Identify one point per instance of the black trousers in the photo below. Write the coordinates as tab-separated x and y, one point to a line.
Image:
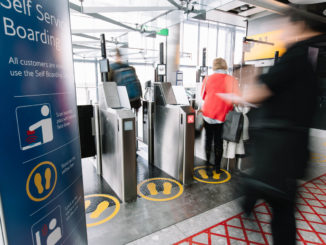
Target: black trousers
279	157
283	212
214	132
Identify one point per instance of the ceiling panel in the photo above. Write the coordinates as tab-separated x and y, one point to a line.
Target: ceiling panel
252	11
127	3
133	18
80	21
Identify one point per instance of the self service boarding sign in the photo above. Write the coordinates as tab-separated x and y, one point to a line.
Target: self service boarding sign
41	186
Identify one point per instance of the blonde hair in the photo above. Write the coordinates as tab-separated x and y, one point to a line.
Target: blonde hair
219	63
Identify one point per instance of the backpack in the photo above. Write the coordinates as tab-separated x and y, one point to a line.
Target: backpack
126	76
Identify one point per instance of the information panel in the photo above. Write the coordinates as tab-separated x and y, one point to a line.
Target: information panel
41	182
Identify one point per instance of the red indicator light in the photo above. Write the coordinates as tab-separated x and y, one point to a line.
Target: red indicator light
191	119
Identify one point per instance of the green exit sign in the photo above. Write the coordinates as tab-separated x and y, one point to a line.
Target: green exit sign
163	32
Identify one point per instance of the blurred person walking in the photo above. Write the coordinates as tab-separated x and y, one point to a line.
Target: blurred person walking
125	75
287	94
215	109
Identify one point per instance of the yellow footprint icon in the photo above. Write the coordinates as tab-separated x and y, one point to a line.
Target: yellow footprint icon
47	175
87	204
38	183
216	175
167	188
203	173
100	209
152	189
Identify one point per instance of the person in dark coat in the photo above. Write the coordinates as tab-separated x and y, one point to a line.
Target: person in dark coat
118	64
287	96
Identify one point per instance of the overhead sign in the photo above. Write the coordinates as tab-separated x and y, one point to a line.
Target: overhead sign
163	32
260	50
41	188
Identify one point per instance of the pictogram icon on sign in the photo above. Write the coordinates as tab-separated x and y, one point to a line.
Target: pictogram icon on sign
34	124
48	230
41	181
201	174
100	208
160	189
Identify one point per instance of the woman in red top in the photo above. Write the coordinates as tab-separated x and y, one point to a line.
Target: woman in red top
215	108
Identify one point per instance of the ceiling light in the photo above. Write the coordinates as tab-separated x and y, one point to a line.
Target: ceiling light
244	7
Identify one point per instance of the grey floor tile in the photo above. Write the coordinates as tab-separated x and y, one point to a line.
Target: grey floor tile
319	227
166	236
236	233
209	218
303	225
309	236
234	222
237	242
219	230
255	237
202	238
217	240
323	237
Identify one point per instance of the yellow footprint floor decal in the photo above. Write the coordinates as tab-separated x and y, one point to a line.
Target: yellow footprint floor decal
152	189
100	209
167	188
87	204
216	175
203	173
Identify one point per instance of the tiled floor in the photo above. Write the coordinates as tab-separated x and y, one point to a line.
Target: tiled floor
310	216
144	217
224	224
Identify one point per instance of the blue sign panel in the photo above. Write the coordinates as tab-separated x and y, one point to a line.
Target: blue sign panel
41	186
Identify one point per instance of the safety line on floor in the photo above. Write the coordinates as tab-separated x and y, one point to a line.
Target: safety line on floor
310	218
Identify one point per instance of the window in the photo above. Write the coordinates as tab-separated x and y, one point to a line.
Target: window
212	44
239	35
208	40
221	43
203	42
189	76
189	44
144	73
85	79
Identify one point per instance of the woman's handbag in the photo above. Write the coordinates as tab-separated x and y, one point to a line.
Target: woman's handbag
233	126
199	121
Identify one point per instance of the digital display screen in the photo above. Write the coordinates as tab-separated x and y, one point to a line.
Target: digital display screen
161	70
104	65
203	71
179	76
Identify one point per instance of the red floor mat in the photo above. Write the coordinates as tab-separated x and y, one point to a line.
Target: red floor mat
310	216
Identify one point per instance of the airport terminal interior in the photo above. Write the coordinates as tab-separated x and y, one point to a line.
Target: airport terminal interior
144	171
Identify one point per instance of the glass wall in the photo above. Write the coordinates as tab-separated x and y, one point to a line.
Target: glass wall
85	79
238	52
220	40
145	72
189	44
